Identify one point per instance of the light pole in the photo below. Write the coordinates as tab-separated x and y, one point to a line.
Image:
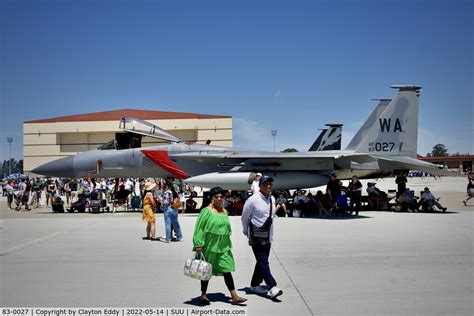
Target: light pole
10	141
274	133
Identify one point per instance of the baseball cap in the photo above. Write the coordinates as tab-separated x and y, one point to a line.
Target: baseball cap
333	174
258	174
264	179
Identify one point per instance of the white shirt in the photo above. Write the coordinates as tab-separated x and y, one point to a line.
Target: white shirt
8	188
256	210
427	196
128	185
300	198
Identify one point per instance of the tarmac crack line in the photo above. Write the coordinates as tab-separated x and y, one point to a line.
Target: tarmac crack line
292	282
39	240
30	243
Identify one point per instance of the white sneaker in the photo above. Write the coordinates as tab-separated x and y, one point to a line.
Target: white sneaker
274	292
259	289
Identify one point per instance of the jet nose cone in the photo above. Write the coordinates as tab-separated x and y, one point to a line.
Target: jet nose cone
63	167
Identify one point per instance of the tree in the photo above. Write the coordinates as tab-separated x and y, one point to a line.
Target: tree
290	150
439	150
17	167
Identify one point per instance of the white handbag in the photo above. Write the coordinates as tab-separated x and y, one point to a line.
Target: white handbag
198	268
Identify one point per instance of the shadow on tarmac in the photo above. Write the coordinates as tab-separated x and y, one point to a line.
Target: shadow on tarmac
338	218
213	297
248	291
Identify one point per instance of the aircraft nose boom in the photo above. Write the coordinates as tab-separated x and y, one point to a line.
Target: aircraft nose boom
63	167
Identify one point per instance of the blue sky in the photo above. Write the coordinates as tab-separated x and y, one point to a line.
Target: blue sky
287	65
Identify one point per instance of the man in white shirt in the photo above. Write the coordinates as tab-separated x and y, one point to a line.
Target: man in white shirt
427	200
259	211
255	184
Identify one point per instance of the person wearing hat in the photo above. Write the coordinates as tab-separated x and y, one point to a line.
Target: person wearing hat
377	198
301	203
148	215
212	238
259	211
255	184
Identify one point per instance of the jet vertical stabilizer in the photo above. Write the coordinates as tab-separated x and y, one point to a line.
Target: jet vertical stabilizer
392	128
329	139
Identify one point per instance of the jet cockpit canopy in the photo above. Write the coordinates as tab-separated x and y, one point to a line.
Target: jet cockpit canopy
134	125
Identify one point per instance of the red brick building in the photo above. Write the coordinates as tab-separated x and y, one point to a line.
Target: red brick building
454	163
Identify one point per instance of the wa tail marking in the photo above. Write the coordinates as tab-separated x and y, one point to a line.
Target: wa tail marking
385	125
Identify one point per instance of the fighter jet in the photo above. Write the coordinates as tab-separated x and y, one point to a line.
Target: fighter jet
385	144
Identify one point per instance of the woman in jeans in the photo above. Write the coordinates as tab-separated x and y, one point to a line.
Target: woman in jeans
170	213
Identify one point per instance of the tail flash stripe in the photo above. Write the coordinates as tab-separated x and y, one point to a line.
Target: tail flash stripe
161	158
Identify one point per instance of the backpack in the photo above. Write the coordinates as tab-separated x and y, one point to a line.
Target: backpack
176	203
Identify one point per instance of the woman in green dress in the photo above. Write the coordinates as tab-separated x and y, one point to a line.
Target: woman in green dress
212	238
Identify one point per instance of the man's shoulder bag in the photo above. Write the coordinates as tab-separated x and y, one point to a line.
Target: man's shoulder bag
259	236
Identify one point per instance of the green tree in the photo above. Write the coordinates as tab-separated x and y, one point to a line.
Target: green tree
17	167
290	150
439	150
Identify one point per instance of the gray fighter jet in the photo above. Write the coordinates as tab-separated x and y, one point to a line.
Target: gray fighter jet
384	145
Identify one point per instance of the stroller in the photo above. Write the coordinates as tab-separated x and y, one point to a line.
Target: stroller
18	197
97	203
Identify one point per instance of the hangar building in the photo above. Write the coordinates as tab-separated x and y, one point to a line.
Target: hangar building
53	138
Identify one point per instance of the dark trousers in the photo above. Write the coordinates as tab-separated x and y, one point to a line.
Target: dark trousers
356	200
262	267
229	282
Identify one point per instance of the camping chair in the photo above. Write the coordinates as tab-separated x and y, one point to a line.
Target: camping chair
340	207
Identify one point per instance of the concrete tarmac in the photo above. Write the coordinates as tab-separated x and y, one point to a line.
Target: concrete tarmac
375	264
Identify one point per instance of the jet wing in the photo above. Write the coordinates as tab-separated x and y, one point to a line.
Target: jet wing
402	162
238	161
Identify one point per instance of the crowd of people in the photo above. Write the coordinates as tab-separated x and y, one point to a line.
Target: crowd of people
212	232
338	198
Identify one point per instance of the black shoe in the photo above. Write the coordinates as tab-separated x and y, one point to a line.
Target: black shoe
204	301
146	238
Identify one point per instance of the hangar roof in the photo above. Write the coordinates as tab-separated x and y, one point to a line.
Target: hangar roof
118	114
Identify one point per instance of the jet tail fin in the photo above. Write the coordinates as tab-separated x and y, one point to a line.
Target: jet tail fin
392	128
329	139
